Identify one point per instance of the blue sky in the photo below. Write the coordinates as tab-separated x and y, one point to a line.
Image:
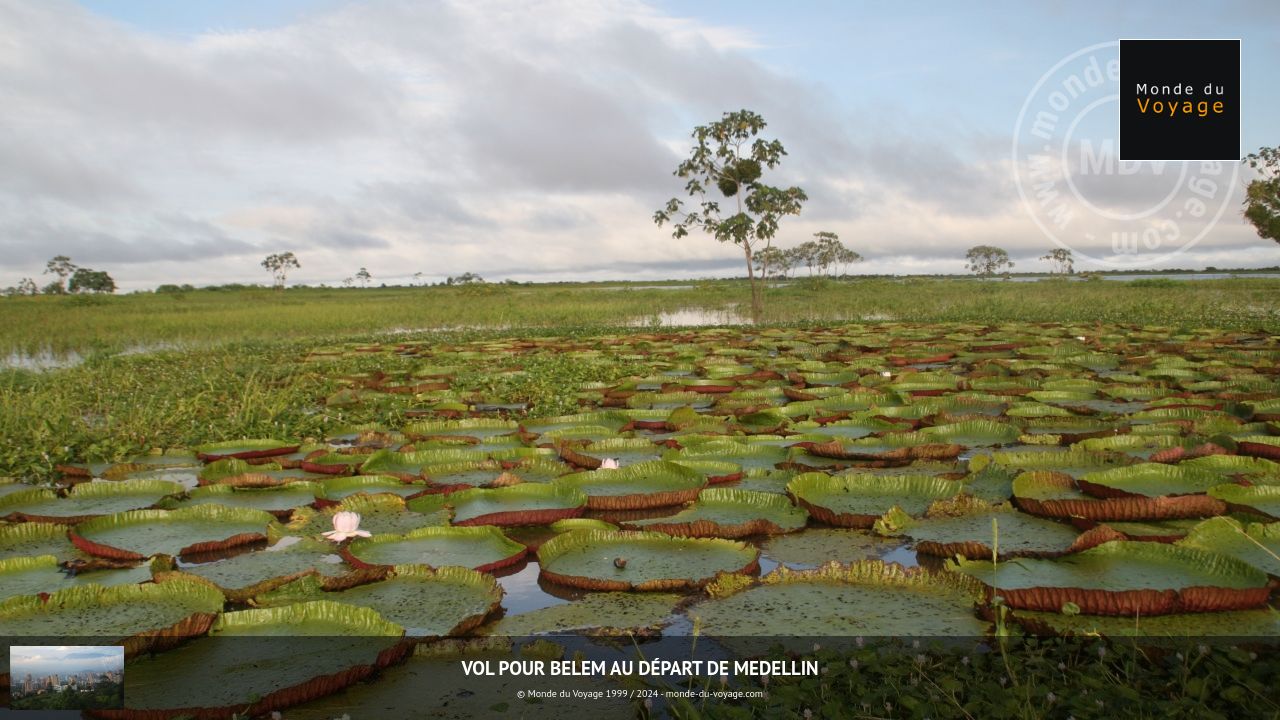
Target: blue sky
63	659
183	141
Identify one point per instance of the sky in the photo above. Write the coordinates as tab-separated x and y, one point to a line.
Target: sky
63	659
182	142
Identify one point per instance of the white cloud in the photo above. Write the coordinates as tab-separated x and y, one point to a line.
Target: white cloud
530	141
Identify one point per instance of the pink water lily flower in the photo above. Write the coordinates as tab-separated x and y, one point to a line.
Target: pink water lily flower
609	464
346	525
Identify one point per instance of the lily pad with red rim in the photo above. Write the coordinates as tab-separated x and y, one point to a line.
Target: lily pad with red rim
636	487
141	616
1125	578
1255	543
138	534
515	505
649	561
483	548
423	600
243	575
868	598
1057	495
857	500
32	538
729	513
331	646
338	488
86	500
244	449
1148	480
1260	499
279	500
42	574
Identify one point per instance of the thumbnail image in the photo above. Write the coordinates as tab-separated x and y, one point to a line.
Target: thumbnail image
66	677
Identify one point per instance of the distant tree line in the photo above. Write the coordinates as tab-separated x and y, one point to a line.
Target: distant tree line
824	253
69	278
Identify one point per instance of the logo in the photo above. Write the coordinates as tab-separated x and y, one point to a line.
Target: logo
1117	213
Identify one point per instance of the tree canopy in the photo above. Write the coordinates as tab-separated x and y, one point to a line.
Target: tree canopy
1262	196
279	265
729	156
987	260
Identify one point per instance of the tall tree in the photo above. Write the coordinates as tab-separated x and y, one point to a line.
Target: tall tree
62	267
279	265
1060	260
94	281
364	277
729	156
1262	196
987	260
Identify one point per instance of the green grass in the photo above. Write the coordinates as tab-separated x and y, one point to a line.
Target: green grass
59	325
111	407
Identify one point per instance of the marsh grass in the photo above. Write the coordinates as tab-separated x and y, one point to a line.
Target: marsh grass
32	325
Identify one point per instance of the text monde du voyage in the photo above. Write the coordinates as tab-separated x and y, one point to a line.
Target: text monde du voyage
1180	99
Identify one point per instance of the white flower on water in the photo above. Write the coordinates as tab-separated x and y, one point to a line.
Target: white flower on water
609	464
346	525
1081	338
885	373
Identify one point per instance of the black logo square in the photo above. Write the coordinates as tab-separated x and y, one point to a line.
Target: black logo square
1180	100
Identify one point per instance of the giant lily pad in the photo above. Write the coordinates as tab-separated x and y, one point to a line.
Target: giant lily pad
138	534
1055	494
636	487
972	529
86	500
42	574
31	538
1125	578
155	612
749	456
379	514
604	614
1255	543
729	513
482	548
819	546
974	433
1148	480
336	463
410	465
523	504
479	428
1263	499
864	598
331	646
618	560
244	449
244	575
340	487
278	500
857	500
425	601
